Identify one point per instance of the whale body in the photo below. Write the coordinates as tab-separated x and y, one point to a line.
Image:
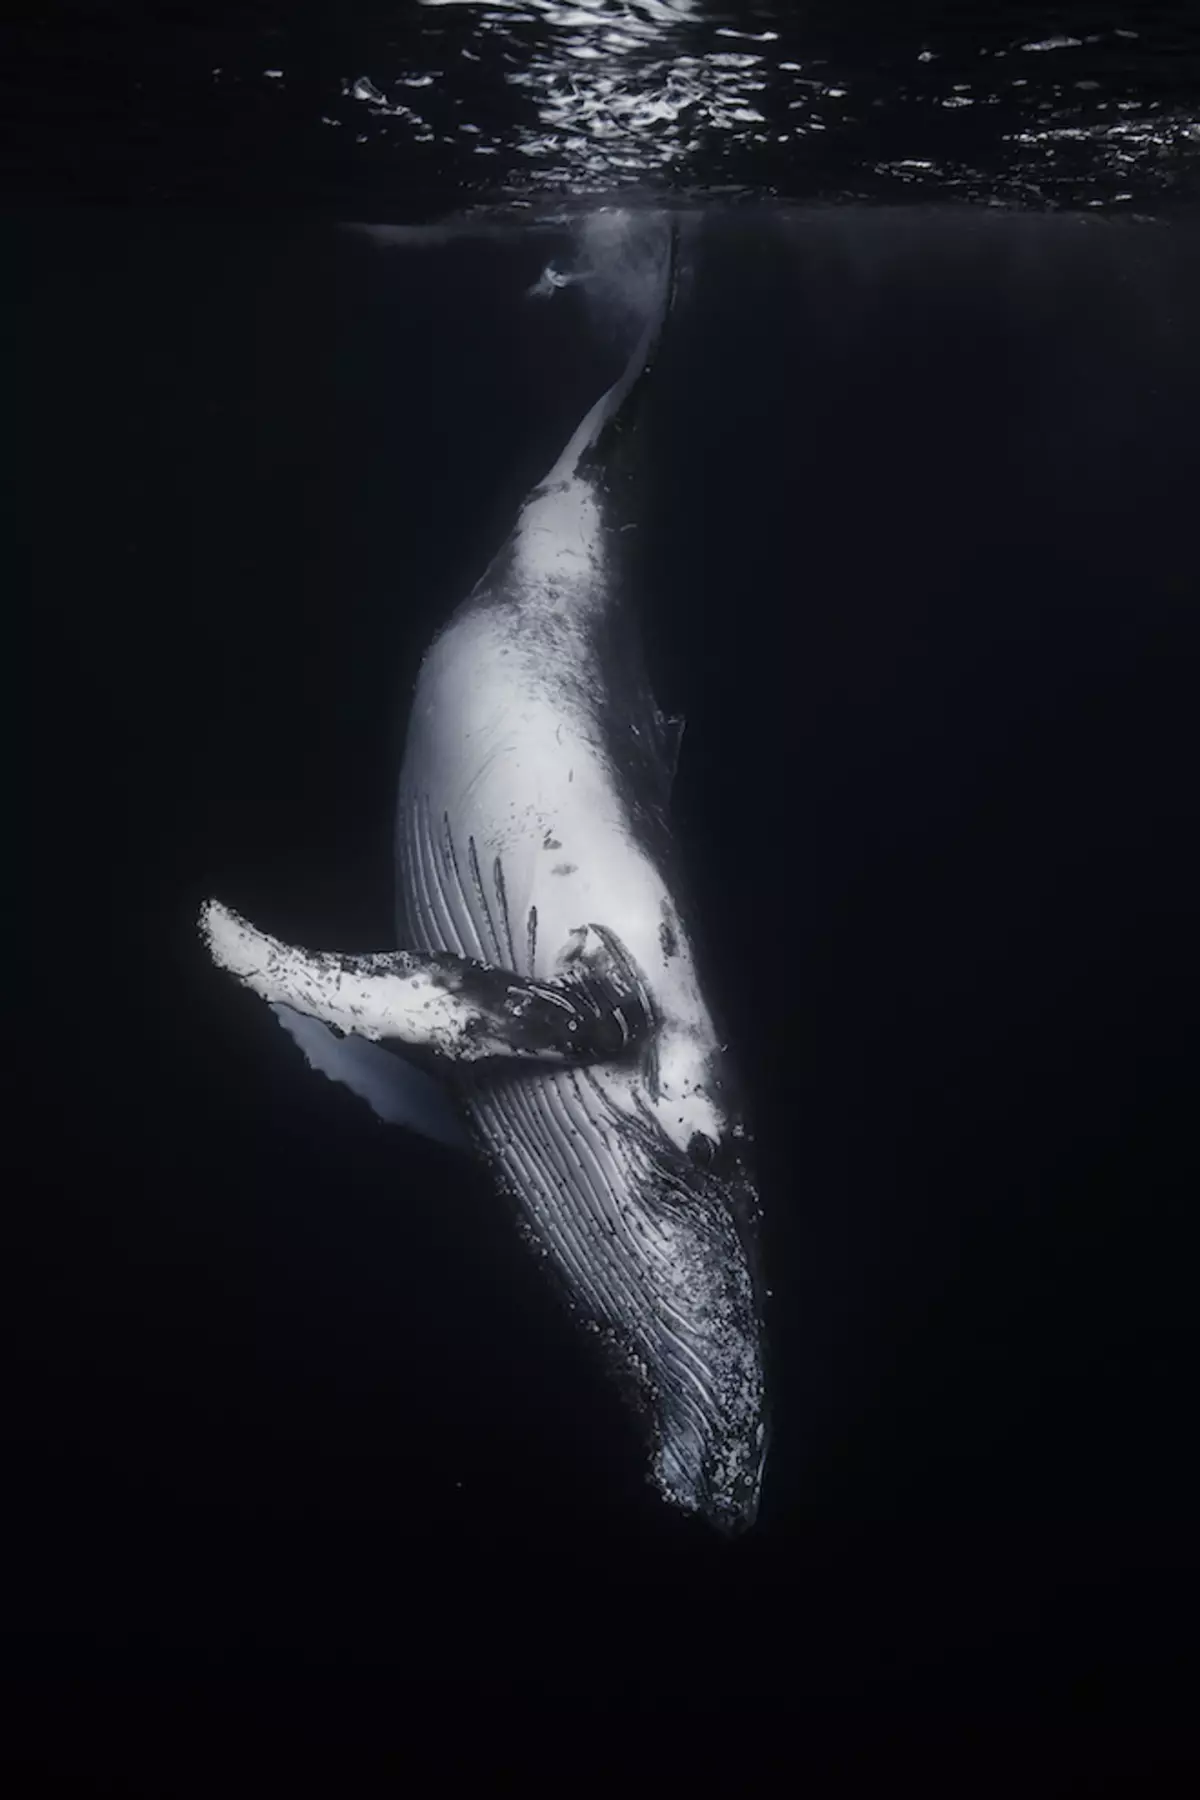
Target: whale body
548	977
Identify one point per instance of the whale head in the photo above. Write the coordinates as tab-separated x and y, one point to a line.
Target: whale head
703	1382
652	1232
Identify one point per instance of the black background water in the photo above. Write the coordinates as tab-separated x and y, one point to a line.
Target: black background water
919	569
295	1427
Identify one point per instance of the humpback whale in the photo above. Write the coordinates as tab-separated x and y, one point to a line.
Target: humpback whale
546	1010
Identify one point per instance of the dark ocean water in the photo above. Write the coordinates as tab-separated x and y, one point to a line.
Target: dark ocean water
297	1431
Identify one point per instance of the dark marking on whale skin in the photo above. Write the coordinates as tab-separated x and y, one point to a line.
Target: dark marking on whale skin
564	868
502	897
481	896
586	1017
578	939
551	843
449	852
531	937
668	936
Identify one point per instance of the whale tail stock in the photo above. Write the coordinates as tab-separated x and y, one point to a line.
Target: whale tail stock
591	442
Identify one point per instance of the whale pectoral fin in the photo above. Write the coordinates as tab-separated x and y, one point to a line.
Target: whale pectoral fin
396	1091
462	1010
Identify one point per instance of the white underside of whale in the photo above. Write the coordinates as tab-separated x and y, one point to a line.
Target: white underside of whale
512	834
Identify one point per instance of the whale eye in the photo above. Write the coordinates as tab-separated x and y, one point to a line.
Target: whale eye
701	1149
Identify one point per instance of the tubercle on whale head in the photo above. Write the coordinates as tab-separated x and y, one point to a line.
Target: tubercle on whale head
731	1498
719	1482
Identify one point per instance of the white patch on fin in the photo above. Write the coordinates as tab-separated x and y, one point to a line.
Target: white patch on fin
396	1091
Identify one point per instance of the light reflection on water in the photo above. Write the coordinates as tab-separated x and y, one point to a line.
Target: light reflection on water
584	99
436	108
